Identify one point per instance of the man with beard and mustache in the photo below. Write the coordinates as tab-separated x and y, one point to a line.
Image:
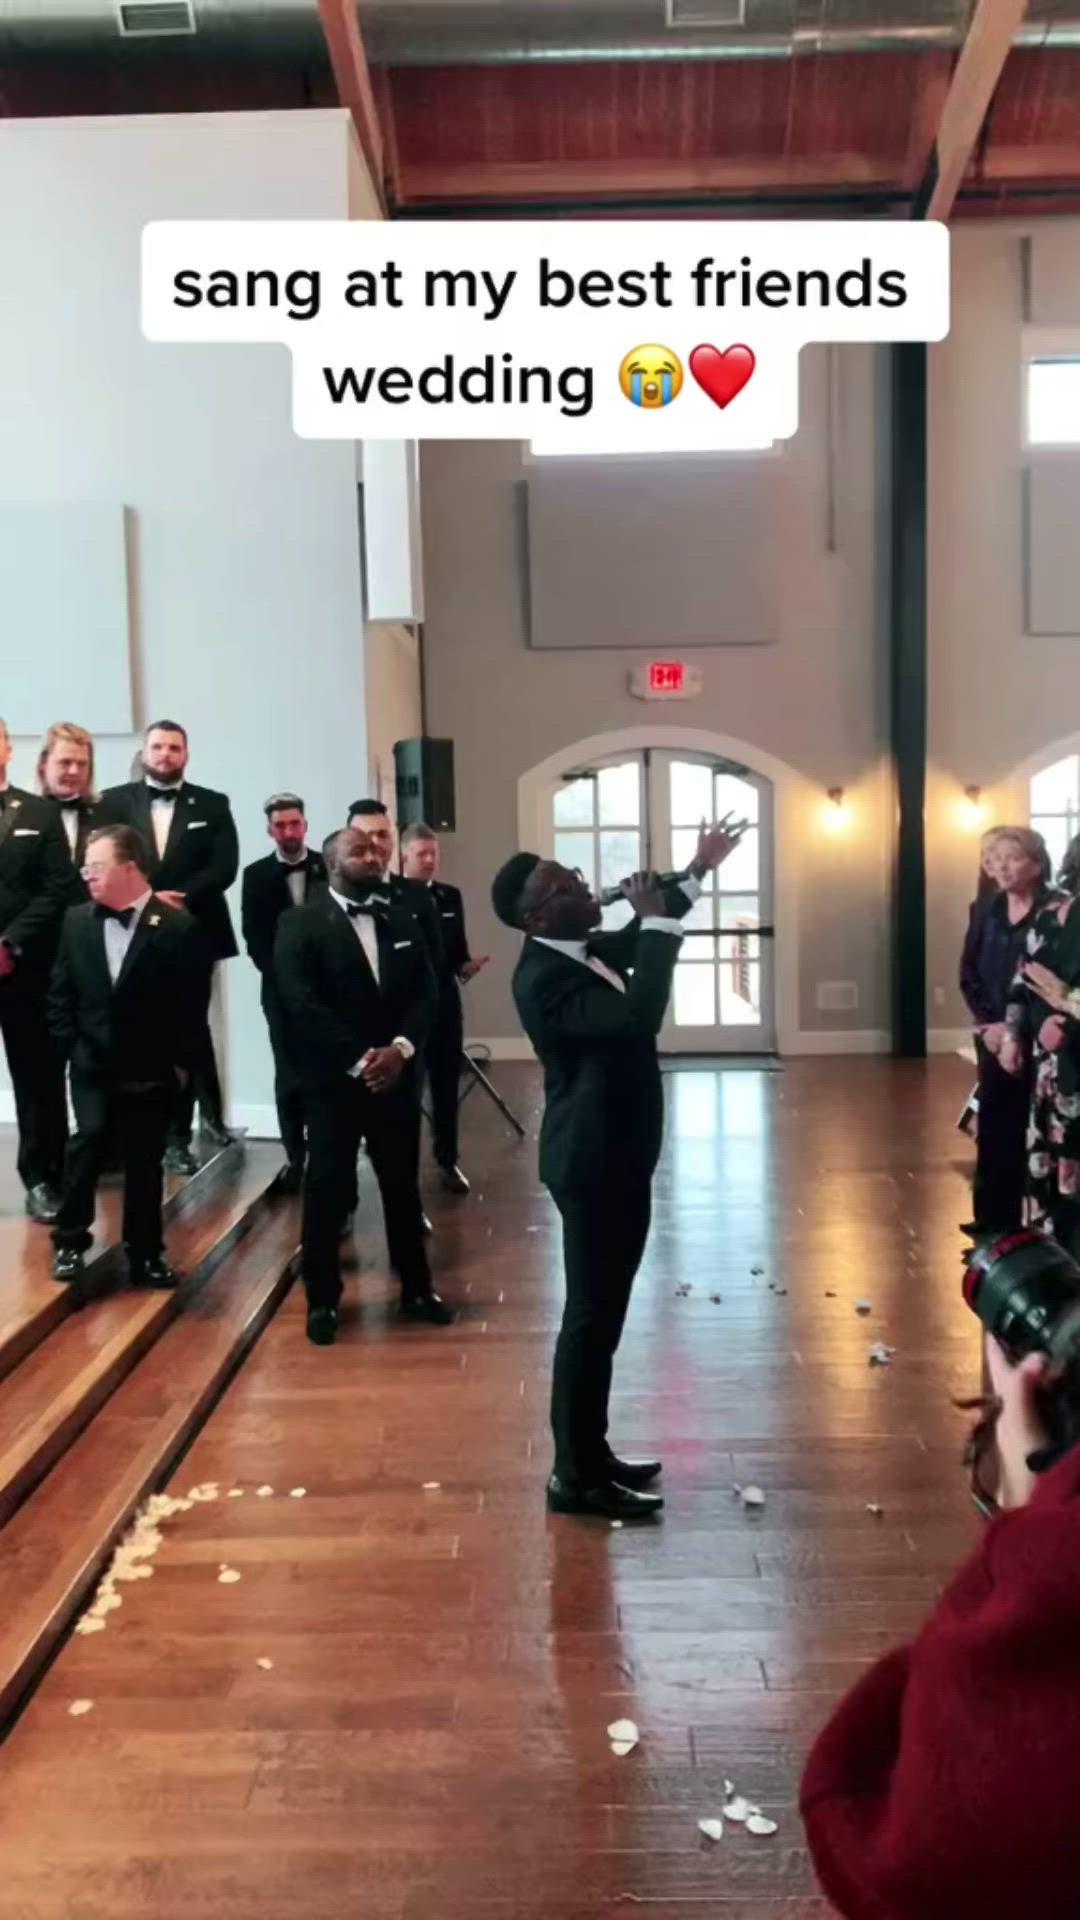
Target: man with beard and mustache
195	856
359	996
65	773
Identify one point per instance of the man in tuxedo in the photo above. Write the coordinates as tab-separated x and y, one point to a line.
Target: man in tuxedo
442	1055
194	858
283	879
65	773
124	1009
359	998
35	882
592	1005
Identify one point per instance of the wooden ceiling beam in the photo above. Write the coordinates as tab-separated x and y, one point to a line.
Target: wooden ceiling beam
978	69
561	180
352	77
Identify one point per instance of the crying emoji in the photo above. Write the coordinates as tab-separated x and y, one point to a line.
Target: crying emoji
651	376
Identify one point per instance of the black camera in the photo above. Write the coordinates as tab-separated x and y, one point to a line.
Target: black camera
1025	1289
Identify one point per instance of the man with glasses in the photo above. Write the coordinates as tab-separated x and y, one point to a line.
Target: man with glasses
592	1005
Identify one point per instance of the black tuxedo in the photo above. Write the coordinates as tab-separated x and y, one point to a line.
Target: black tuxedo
414	898
265	896
125	1043
335	1010
201	860
445	1047
86	818
599	1145
35	889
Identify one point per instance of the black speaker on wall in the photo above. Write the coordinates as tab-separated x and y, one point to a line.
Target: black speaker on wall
424	772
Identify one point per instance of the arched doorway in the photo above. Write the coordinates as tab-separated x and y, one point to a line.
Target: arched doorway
616	802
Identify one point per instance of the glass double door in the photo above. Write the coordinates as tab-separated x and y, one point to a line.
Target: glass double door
644	810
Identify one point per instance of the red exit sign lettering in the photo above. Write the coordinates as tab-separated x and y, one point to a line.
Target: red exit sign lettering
666	676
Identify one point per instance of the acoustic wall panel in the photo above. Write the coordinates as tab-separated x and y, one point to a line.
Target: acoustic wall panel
66	649
665	555
1052	553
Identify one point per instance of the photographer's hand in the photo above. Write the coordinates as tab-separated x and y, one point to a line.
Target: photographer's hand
1020	1430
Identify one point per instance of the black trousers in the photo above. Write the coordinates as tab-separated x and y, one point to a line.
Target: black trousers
203	1083
338	1118
288	1094
604	1233
138	1119
442	1060
37	1076
1001	1145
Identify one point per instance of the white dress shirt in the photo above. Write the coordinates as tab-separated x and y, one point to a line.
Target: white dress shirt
367	933
118	938
69	814
296	879
161	812
578	949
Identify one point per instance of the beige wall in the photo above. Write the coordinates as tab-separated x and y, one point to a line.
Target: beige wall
814	701
997	696
391	701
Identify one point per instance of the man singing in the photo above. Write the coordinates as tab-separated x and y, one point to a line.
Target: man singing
359	997
124	1010
35	888
593	1023
442	1056
195	855
283	879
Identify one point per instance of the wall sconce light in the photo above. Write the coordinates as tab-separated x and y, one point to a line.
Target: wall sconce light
972	809
836	813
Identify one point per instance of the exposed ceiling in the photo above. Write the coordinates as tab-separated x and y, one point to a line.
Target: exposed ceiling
773	106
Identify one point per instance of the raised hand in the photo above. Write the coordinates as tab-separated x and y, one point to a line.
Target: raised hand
715	843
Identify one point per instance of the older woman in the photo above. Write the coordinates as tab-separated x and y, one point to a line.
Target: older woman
997	934
1042	1050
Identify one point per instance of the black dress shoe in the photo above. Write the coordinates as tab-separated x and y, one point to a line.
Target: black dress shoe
634	1473
426	1306
288	1180
68	1264
180	1159
43	1204
453	1180
605	1502
322	1326
218	1134
426	1227
152	1273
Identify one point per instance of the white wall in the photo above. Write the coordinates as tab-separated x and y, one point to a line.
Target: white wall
997	695
392	694
815	701
245	574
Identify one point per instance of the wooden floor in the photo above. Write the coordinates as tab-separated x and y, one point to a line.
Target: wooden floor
400	1708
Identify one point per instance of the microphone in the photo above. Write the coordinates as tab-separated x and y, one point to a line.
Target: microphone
609	895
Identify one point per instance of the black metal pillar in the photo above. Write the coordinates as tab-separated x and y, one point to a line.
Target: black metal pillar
907	654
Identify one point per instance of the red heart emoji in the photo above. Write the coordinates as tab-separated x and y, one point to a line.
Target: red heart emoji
722	375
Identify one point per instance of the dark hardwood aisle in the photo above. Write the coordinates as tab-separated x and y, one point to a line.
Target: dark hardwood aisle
399	1710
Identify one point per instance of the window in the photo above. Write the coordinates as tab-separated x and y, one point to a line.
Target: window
1053	400
1055	805
598	828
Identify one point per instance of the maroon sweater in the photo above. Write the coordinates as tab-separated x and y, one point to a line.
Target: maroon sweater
947	1784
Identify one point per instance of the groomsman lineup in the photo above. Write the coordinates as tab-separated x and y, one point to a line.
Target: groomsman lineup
113	922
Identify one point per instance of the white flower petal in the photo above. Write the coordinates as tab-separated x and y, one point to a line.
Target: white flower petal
753	1497
228	1577
297	1493
432	1486
623	1730
729	1788
236	1493
737	1810
712	1829
880	1354
264	1492
90	1623
757	1823
622	1747
266	1665
79	1707
862	1306
616	1523
872	1507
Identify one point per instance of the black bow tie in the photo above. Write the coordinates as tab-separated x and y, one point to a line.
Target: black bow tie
163	793
125	915
375	905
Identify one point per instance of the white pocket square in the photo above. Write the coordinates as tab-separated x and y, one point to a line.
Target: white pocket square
192	824
398	944
27	833
448	915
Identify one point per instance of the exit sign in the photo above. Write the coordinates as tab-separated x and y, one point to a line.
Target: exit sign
666	680
666	676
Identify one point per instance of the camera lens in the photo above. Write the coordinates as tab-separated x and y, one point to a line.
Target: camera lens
1026	1291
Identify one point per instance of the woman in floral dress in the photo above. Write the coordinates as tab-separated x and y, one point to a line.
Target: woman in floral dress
1043	1029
